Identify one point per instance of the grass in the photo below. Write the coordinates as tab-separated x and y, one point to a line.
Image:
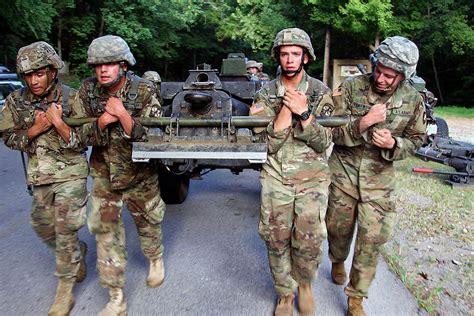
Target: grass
457	111
426	298
431	248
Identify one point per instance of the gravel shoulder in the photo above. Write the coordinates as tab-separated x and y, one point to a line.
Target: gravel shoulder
432	249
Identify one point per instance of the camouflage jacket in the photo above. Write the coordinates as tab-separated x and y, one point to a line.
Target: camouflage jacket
296	155
48	160
262	76
358	167
111	155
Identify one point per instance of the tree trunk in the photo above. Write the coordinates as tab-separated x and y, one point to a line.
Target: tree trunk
327	48
60	31
377	40
435	71
101	29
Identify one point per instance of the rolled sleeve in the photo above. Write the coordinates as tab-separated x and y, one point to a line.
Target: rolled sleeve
314	135
276	139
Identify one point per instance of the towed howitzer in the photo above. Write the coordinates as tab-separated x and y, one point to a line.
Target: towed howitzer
205	125
450	152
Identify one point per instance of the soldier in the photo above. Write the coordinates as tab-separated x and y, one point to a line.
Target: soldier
389	124
260	74
116	97
295	177
33	123
252	67
155	78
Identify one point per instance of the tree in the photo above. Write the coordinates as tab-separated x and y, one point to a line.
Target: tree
23	22
443	31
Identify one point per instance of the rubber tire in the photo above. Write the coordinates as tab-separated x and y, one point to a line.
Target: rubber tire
174	188
443	129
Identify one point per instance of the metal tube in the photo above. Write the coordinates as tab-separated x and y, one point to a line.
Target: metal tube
237	121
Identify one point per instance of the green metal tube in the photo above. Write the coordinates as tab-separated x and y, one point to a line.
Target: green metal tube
237	121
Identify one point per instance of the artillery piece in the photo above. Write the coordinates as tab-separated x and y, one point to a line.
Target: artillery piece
205	126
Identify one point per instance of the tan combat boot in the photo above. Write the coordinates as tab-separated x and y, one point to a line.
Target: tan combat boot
354	306
156	274
81	274
305	298
338	273
285	305
117	305
64	300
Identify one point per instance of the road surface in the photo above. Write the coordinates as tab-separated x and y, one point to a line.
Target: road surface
215	262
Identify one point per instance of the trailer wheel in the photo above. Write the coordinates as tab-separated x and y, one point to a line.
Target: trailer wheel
442	125
174	188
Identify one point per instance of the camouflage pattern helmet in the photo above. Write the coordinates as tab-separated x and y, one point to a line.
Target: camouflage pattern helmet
293	36
109	49
36	56
251	64
399	54
153	76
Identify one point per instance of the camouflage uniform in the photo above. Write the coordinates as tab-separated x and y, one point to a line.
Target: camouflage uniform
294	182
58	174
363	176
155	78
262	76
117	179
259	75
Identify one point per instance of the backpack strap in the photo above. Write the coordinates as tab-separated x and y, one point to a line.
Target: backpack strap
91	84
133	92
65	91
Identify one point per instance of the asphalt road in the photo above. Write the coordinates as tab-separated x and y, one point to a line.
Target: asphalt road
215	262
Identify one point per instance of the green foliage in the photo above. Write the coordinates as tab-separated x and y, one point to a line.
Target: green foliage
254	21
457	111
172	36
360	19
367	18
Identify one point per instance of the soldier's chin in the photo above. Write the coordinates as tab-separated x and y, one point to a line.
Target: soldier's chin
382	89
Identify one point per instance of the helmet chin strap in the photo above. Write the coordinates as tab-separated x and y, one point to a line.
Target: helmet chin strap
51	82
116	81
292	73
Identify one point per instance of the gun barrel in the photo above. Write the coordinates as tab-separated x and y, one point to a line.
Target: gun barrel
237	121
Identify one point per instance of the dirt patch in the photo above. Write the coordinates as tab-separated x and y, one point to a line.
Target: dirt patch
432	249
461	128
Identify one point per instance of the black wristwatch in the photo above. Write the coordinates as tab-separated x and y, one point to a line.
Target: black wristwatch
305	115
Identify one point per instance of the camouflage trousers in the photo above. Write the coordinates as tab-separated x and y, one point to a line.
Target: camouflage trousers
58	212
375	222
105	221
293	228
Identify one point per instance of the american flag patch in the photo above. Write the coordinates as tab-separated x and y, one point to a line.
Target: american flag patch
256	108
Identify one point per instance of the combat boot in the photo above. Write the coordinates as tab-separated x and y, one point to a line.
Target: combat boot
338	273
156	274
354	306
82	273
117	305
305	298
64	300
285	305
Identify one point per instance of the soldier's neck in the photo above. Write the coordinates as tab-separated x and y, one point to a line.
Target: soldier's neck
117	87
292	82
